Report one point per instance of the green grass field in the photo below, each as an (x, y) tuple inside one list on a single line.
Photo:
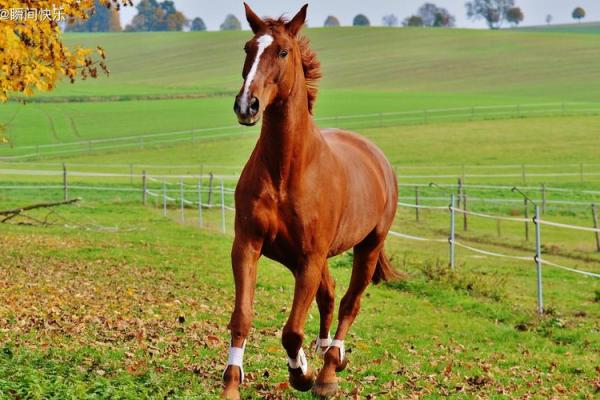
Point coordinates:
[(365, 71), (113, 300), (584, 27), (142, 313)]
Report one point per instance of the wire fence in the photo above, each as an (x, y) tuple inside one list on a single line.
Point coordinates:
[(214, 193), (372, 120), (538, 259)]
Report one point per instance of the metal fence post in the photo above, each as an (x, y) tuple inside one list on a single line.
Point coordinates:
[(543, 199), (182, 206), (65, 183), (200, 222), (452, 231), (417, 203), (596, 225), (144, 188), (538, 260), (164, 198), (465, 216), (459, 192), (210, 188), (526, 203), (222, 207)]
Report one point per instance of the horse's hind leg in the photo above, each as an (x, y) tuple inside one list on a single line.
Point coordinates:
[(326, 303), (366, 255), (308, 279)]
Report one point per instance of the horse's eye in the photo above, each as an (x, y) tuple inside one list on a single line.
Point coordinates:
[(283, 53), (246, 48)]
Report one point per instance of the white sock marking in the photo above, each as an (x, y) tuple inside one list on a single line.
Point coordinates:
[(263, 42)]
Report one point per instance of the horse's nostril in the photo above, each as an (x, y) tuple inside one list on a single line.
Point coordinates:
[(236, 106), (254, 106)]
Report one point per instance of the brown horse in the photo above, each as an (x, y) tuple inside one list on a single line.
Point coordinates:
[(305, 195)]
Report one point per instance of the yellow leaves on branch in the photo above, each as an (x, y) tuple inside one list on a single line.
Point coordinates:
[(32, 53)]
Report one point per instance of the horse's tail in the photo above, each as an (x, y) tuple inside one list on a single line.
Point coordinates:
[(384, 271)]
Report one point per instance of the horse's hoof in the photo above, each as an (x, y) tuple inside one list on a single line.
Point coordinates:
[(231, 394), (324, 390), (301, 382), (342, 365)]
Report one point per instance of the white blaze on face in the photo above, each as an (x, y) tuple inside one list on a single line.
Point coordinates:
[(263, 42)]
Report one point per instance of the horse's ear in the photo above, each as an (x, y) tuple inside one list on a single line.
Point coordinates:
[(256, 23), (297, 22)]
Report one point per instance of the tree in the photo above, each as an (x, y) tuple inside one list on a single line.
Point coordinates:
[(100, 19), (33, 56), (578, 14), (155, 16), (413, 20), (389, 20), (549, 19), (198, 25), (432, 15), (515, 16), (493, 11), (361, 20), (231, 23), (331, 21)]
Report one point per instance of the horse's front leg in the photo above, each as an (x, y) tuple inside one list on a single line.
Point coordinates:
[(244, 257), (326, 303), (308, 278)]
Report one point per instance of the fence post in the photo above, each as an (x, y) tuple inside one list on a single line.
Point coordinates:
[(164, 198), (210, 188), (417, 202), (452, 231), (538, 260), (543, 199), (465, 217), (65, 183), (222, 207), (460, 192), (182, 205), (200, 222), (596, 225), (524, 174), (144, 188), (526, 204)]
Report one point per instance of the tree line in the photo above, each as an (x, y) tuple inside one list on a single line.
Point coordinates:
[(155, 15)]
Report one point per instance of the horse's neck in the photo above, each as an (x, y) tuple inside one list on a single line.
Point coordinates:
[(288, 137)]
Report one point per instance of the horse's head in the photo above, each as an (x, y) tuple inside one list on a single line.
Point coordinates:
[(273, 62)]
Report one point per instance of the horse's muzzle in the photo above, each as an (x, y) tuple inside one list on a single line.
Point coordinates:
[(247, 111)]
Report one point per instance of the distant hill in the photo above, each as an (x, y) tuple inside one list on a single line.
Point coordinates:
[(587, 27), (505, 62)]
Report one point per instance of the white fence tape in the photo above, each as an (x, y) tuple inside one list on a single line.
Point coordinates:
[(423, 206), (577, 271), (566, 226), (491, 253), (476, 214), (417, 238)]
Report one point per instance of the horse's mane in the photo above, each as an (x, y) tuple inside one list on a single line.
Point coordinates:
[(310, 63)]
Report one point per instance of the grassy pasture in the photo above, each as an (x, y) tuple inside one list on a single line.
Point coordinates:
[(142, 313), (585, 28), (365, 71)]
